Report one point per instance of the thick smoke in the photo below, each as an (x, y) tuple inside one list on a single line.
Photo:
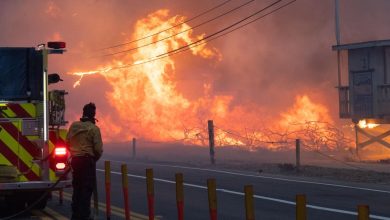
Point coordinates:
[(265, 64)]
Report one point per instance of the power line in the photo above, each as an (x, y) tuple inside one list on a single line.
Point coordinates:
[(181, 32), (228, 27), (185, 21), (250, 22), (192, 45), (218, 36), (202, 41)]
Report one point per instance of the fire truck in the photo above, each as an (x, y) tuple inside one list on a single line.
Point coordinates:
[(33, 151)]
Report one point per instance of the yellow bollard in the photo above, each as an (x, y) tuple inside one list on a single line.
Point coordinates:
[(125, 188), (212, 192), (301, 207), (249, 206), (179, 196), (150, 192), (363, 212), (107, 170), (124, 175)]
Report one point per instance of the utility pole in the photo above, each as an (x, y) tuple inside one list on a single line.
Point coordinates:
[(337, 31)]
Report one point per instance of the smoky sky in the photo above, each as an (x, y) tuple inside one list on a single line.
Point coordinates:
[(267, 63)]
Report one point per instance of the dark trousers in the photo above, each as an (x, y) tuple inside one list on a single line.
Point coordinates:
[(84, 178)]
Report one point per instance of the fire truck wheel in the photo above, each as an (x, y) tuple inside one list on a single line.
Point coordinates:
[(41, 204)]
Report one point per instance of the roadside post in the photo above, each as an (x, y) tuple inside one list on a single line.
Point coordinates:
[(179, 196), (298, 155), (363, 212), (125, 187), (150, 192), (107, 170), (249, 206), (212, 193), (211, 141), (134, 149), (301, 207)]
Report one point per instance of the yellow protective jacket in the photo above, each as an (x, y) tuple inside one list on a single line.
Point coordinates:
[(84, 138)]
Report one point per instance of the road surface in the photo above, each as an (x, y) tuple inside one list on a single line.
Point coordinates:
[(274, 195)]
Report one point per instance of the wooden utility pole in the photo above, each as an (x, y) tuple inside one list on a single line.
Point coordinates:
[(211, 141), (337, 31)]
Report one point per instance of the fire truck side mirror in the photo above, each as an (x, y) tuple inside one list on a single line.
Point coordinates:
[(54, 78)]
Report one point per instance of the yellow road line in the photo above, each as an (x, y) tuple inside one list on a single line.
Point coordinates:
[(114, 210)]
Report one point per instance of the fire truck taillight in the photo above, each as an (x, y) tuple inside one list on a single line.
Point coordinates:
[(60, 151), (60, 166), (56, 45), (60, 159)]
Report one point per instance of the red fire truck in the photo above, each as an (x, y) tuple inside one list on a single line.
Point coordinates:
[(33, 152)]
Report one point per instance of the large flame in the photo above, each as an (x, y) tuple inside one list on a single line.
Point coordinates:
[(149, 105)]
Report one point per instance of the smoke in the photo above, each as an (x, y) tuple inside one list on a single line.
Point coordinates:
[(265, 65)]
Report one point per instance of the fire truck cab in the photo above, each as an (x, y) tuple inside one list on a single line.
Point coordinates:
[(33, 151)]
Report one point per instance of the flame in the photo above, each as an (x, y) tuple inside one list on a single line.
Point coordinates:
[(363, 124), (146, 94), (149, 105), (304, 110), (82, 74)]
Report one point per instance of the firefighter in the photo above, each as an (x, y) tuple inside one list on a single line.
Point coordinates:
[(86, 147)]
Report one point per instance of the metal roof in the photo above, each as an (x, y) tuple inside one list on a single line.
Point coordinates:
[(377, 43)]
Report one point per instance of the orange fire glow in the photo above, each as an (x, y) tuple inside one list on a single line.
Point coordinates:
[(149, 105), (364, 124)]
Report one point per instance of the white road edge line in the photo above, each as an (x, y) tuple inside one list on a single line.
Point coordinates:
[(256, 196), (263, 177)]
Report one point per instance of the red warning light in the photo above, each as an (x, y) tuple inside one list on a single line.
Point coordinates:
[(60, 151), (56, 45)]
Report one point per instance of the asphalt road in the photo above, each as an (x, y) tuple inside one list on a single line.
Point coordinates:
[(274, 196)]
